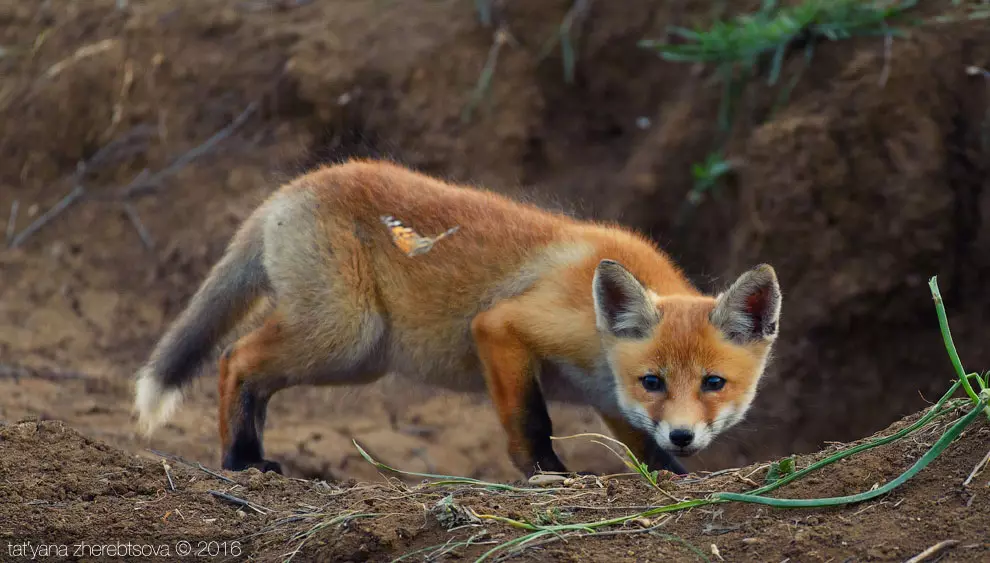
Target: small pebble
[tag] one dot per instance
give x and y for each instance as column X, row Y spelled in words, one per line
column 751, row 541
column 545, row 479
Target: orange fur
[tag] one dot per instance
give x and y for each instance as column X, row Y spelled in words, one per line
column 512, row 299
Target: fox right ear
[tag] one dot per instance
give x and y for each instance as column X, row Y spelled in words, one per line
column 623, row 308
column 750, row 309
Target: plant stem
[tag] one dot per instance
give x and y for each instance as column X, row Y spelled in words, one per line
column 950, row 346
column 930, row 455
column 934, row 412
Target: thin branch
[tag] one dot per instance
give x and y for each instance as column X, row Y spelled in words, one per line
column 558, row 537
column 142, row 232
column 17, row 372
column 501, row 38
column 81, row 53
column 940, row 546
column 78, row 191
column 194, row 466
column 973, row 70
column 239, row 502
column 144, row 185
column 977, row 469
column 206, row 470
column 167, row 474
column 888, row 46
column 12, row 221
column 563, row 36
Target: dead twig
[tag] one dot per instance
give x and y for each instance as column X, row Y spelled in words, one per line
column 141, row 184
column 239, row 502
column 502, row 37
column 142, row 231
column 563, row 36
column 888, row 47
column 214, row 473
column 78, row 189
column 708, row 475
column 17, row 372
column 940, row 546
column 167, row 474
column 81, row 53
column 12, row 221
column 144, row 184
column 558, row 537
column 639, row 508
column 77, row 192
column 974, row 70
column 118, row 107
column 977, row 469
column 193, row 465
column 747, row 480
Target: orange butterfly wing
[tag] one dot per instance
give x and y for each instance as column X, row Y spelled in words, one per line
column 408, row 240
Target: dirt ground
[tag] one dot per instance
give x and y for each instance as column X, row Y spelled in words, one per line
column 866, row 183
column 78, row 499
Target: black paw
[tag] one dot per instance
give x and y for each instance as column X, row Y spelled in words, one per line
column 240, row 465
column 660, row 459
column 268, row 465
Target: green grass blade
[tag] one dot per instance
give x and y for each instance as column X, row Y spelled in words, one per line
column 453, row 480
column 933, row 413
column 950, row 346
column 940, row 445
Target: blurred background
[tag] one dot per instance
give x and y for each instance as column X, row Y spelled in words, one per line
column 135, row 135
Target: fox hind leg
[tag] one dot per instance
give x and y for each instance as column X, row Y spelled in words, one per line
column 274, row 357
column 244, row 395
column 326, row 328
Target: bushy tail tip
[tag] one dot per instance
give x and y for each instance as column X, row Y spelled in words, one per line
column 154, row 402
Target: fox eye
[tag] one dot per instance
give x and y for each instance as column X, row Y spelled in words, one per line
column 712, row 383
column 653, row 383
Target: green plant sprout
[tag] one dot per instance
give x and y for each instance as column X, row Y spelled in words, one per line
column 739, row 44
column 950, row 347
column 779, row 470
column 453, row 480
column 737, row 47
column 629, row 459
column 774, row 29
column 707, row 174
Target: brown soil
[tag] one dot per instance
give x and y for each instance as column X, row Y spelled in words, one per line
column 857, row 191
column 73, row 496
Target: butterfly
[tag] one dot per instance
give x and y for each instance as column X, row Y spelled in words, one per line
column 408, row 240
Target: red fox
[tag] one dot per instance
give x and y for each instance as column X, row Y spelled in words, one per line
column 504, row 297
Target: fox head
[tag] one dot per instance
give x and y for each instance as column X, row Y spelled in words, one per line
column 686, row 367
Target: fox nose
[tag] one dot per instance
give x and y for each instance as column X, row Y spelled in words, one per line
column 681, row 438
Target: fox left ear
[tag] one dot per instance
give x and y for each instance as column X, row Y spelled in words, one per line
column 750, row 309
column 623, row 307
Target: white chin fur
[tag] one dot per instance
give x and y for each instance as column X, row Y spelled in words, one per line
column 154, row 403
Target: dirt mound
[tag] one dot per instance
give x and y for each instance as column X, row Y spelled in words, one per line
column 869, row 180
column 65, row 496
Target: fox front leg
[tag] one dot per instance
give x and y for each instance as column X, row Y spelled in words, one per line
column 510, row 372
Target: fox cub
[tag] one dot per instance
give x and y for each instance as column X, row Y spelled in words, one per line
column 365, row 268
